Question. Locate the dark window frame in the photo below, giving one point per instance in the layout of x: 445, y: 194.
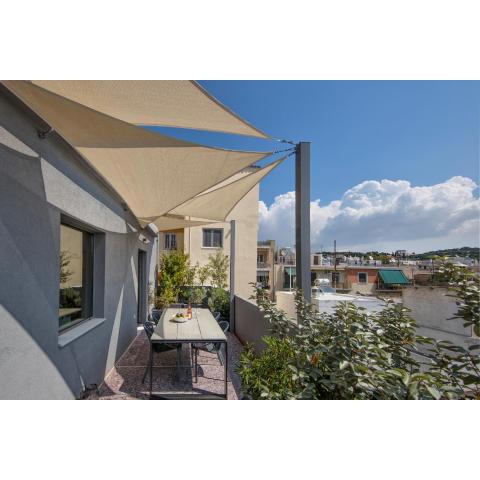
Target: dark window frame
x: 169, y: 245
x: 88, y: 271
x: 366, y: 277
x: 212, y: 239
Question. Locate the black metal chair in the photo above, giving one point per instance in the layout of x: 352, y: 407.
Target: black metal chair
x: 209, y: 347
x: 149, y: 327
x: 155, y: 316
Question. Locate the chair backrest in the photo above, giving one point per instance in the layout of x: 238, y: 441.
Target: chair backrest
x: 156, y: 314
x: 216, y: 315
x: 149, y: 327
x: 224, y: 325
x: 177, y: 305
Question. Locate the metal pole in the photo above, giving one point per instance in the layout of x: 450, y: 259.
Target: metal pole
x: 302, y: 218
x: 335, y: 262
x: 232, y: 275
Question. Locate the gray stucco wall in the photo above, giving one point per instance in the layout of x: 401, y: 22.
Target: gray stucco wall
x: 250, y: 324
x: 39, y: 181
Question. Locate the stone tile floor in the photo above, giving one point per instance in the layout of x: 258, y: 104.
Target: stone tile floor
x: 124, y: 382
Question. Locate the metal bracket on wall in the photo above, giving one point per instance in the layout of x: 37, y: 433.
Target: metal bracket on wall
x: 43, y: 134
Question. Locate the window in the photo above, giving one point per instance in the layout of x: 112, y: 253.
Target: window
x: 261, y: 258
x: 315, y: 259
x: 362, y: 277
x: 262, y: 280
x: 213, y: 237
x: 76, y: 276
x: 289, y: 277
x: 170, y: 242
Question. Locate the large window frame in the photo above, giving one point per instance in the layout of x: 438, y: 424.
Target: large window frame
x: 212, y: 238
x: 169, y: 241
x: 79, y: 307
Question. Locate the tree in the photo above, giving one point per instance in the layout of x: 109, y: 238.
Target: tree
x: 65, y: 274
x: 203, y: 272
x: 218, y: 269
x: 175, y: 272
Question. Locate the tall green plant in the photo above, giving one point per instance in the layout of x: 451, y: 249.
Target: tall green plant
x: 175, y: 272
x: 218, y: 269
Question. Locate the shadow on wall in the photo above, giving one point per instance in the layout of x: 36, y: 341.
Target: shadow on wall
x: 32, y: 365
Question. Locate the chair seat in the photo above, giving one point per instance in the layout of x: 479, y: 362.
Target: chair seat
x: 206, y: 347
x: 165, y: 347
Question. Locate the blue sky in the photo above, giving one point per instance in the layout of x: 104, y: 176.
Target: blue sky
x: 421, y: 132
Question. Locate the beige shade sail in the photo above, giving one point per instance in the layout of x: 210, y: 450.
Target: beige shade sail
x: 218, y: 203
x: 172, y: 103
x: 153, y: 173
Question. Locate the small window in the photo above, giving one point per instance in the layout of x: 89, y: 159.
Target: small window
x: 315, y: 259
x: 213, y: 237
x: 362, y: 277
x: 170, y: 241
x: 76, y: 276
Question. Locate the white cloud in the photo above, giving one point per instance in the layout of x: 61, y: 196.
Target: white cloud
x: 385, y: 215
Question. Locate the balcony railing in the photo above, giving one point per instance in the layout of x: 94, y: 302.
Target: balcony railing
x: 263, y: 265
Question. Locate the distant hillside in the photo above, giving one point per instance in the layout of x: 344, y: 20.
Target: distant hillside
x: 472, y: 252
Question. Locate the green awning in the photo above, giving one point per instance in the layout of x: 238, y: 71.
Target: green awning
x: 393, y: 277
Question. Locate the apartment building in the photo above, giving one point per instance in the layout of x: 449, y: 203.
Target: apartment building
x: 239, y: 236
x: 266, y: 264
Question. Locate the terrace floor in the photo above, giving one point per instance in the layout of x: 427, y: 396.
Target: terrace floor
x: 124, y: 382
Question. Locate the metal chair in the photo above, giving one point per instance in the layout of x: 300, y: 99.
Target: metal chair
x: 209, y: 347
x: 149, y: 327
x: 155, y: 316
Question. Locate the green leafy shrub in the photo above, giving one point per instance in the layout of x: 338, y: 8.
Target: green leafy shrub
x: 350, y: 354
x: 175, y: 272
x: 219, y: 301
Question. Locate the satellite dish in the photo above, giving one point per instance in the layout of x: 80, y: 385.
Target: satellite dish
x: 283, y: 252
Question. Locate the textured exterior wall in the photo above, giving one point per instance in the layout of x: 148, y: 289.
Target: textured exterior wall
x: 246, y: 216
x: 250, y: 324
x: 431, y: 307
x: 39, y: 181
x: 286, y: 302
x: 365, y: 288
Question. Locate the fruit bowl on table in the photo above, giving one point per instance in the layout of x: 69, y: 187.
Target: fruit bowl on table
x: 180, y: 318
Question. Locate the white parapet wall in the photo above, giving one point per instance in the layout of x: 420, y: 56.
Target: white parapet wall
x: 286, y: 302
x: 432, y: 308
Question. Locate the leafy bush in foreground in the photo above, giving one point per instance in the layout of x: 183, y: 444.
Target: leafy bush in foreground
x: 354, y: 355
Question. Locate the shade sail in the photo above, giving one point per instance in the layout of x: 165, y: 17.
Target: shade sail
x: 172, y: 103
x: 218, y: 203
x: 153, y: 173
x: 393, y: 277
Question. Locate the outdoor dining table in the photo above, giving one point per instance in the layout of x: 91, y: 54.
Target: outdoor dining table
x: 201, y: 328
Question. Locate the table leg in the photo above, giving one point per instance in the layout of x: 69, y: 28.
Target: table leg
x: 151, y: 368
x: 196, y: 365
x: 226, y: 369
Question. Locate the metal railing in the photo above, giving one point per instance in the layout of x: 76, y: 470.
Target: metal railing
x: 263, y: 265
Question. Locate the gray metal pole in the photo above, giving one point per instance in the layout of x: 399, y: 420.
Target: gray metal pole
x: 232, y: 275
x: 302, y: 218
